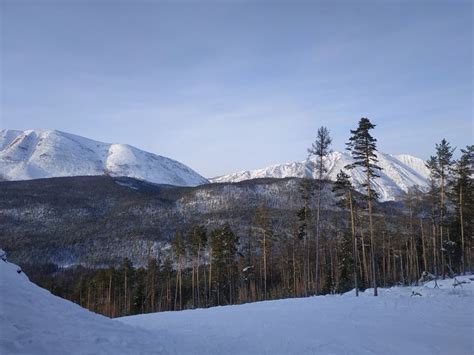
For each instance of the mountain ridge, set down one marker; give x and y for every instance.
(33, 154)
(399, 172)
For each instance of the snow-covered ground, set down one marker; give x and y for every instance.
(440, 321)
(33, 321)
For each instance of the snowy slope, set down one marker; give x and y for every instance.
(36, 154)
(33, 321)
(399, 172)
(440, 322)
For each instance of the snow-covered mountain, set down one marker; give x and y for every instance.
(34, 154)
(399, 173)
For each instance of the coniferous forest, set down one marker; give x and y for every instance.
(361, 247)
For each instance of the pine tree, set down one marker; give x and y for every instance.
(440, 166)
(265, 231)
(139, 292)
(111, 276)
(127, 269)
(411, 201)
(231, 243)
(343, 189)
(177, 244)
(166, 276)
(196, 242)
(152, 272)
(224, 245)
(363, 148)
(345, 265)
(432, 165)
(319, 149)
(462, 185)
(304, 217)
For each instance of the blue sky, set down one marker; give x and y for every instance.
(230, 85)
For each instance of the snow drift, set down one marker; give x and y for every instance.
(34, 154)
(400, 172)
(33, 321)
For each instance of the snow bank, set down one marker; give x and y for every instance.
(33, 321)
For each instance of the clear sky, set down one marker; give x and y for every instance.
(224, 86)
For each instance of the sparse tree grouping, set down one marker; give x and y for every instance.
(427, 234)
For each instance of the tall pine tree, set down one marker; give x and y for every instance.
(263, 222)
(462, 186)
(440, 166)
(319, 149)
(343, 189)
(304, 230)
(363, 148)
(432, 165)
(179, 251)
(196, 242)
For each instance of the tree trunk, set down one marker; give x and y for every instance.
(364, 260)
(126, 293)
(372, 240)
(441, 225)
(354, 245)
(264, 265)
(180, 287)
(384, 269)
(423, 246)
(109, 297)
(193, 286)
(317, 238)
(176, 289)
(198, 291)
(295, 293)
(463, 250)
(210, 276)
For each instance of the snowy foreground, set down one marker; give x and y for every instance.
(441, 321)
(33, 321)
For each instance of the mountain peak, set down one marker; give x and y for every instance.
(44, 153)
(399, 172)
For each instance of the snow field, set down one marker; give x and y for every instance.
(441, 321)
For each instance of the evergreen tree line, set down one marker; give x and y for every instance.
(356, 247)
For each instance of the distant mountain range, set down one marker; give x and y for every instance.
(34, 154)
(399, 173)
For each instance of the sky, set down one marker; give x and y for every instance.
(224, 86)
